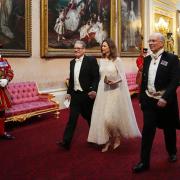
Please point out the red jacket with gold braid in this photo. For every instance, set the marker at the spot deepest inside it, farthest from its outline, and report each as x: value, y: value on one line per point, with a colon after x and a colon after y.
x: 5, y: 73
x: 140, y: 62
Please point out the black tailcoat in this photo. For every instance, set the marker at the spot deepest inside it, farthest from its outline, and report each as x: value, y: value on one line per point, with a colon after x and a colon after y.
x: 167, y: 78
x: 81, y: 103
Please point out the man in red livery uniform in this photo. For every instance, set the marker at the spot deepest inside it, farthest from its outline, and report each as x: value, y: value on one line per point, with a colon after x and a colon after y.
x: 139, y: 63
x: 6, y: 75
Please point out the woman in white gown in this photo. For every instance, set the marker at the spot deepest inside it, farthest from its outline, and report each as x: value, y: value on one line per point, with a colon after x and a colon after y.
x: 113, y: 115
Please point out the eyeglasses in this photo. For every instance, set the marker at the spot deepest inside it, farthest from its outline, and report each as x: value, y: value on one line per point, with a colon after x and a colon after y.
x: 153, y: 41
x: 78, y: 48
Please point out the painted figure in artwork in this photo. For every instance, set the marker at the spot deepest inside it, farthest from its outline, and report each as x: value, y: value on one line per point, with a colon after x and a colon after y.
x: 6, y: 7
x: 59, y: 26
x: 132, y: 25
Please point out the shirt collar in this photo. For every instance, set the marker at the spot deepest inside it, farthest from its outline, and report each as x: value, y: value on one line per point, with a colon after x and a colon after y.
x: 156, y: 55
x: 79, y: 59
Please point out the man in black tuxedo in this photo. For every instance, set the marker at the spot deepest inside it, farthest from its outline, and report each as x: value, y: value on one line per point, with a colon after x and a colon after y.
x: 158, y: 100
x: 83, y: 83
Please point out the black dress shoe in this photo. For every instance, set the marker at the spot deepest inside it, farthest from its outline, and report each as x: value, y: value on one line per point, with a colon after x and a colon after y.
x: 63, y: 145
x: 140, y: 167
x: 172, y: 158
x: 7, y: 136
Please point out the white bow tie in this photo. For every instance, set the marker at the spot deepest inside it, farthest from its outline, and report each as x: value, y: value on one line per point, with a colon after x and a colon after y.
x: 154, y: 56
x: 78, y: 60
x: 159, y: 53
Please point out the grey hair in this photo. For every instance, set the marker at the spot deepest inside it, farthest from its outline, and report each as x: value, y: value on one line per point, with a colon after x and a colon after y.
x: 80, y: 42
x: 159, y: 35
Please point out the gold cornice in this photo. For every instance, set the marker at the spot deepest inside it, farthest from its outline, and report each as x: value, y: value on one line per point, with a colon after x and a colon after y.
x: 165, y: 10
x: 167, y: 4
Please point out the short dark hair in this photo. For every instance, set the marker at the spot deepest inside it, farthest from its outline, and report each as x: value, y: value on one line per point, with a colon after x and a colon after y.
x: 112, y: 47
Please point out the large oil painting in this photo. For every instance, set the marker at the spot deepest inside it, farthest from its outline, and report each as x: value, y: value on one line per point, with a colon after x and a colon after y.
x: 15, y: 28
x: 130, y: 27
x: 65, y: 21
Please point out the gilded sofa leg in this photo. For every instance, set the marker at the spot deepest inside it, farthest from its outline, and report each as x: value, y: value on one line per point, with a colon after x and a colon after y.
x: 57, y: 114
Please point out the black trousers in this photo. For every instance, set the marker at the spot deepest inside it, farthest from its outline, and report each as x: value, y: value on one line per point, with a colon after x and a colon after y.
x: 80, y: 104
x: 2, y: 113
x: 148, y: 133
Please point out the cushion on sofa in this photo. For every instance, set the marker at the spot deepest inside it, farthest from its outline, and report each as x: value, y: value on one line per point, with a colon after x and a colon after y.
x: 23, y: 92
x: 131, y: 81
x: 27, y: 107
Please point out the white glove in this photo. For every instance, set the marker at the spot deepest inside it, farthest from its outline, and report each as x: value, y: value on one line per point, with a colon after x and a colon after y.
x: 3, y: 82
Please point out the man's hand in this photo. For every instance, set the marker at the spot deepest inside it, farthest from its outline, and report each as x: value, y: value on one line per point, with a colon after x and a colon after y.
x: 68, y: 97
x: 161, y: 103
x: 3, y: 82
x: 92, y: 94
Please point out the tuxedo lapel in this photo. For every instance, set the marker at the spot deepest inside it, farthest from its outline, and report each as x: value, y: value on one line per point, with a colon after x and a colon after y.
x: 163, y: 63
x: 73, y: 65
x: 147, y: 64
x: 83, y: 65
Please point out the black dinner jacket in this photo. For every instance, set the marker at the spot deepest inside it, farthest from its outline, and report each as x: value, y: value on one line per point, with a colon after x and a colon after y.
x: 88, y: 76
x: 167, y: 76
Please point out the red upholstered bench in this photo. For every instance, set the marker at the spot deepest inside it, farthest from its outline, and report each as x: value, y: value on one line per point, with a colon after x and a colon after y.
x: 131, y: 81
x: 28, y: 102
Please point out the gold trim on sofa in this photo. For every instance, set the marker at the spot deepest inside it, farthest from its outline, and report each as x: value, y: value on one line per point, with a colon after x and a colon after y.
x: 23, y: 117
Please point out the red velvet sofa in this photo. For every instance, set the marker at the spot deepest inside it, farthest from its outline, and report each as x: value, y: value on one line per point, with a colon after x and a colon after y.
x: 131, y: 81
x: 28, y: 102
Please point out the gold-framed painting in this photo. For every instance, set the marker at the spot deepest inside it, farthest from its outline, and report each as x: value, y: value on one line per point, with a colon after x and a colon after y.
x: 131, y: 27
x: 65, y: 21
x: 15, y: 28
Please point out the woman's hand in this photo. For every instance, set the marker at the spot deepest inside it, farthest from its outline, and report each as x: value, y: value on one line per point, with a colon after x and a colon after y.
x: 113, y: 82
x: 109, y: 82
x: 106, y: 80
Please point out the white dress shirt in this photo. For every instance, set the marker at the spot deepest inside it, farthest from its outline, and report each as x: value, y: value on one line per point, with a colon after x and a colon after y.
x: 153, y: 70
x: 152, y: 74
x: 77, y: 69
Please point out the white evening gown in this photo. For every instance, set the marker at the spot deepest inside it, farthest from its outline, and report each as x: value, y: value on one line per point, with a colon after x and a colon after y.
x: 112, y: 107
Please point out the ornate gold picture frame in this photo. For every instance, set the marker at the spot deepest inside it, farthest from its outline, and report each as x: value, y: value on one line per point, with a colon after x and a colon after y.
x: 131, y: 27
x: 15, y: 28
x: 64, y: 21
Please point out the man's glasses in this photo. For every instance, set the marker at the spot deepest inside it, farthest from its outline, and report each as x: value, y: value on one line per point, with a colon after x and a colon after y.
x: 153, y: 41
x: 78, y: 48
